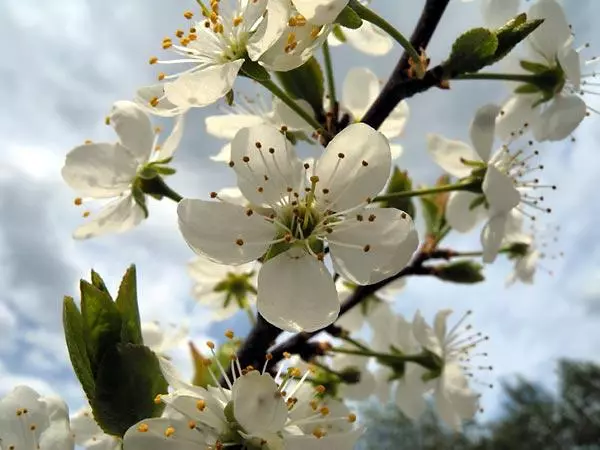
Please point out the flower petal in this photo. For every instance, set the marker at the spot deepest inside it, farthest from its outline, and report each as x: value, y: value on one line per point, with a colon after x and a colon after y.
x: 551, y: 35
x: 134, y: 128
x: 396, y: 151
x: 448, y: 154
x: 203, y: 87
x: 526, y: 266
x: 269, y: 29
x: 410, y: 392
x: 320, y: 12
x: 355, y: 167
x: 369, y: 39
x: 286, y: 116
x: 170, y: 144
x: 226, y: 126
x: 497, y: 12
x: 363, y: 249
x: 459, y: 213
x: 492, y: 236
x: 560, y: 119
x: 152, y: 99
x: 118, y: 216
x: 286, y: 300
x: 425, y: 335
x: 394, y: 124
x: 569, y: 60
x: 58, y: 435
x: 339, y: 441
x: 99, y: 170
x: 517, y: 111
x: 361, y: 87
x: 224, y: 154
x: 403, y: 254
x: 500, y: 191
x: 266, y: 164
x: 257, y: 407
x: 482, y: 130
x: 151, y: 434
x: 223, y: 232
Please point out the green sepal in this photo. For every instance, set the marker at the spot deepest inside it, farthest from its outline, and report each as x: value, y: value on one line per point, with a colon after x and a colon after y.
x: 533, y: 67
x: 164, y: 170
x: 140, y: 197
x: 338, y: 33
x: 513, y: 32
x: 131, y: 330
x: 527, y: 89
x: 348, y: 18
x: 128, y: 380
x: 229, y: 98
x: 98, y: 282
x: 254, y: 70
x: 148, y: 172
x: 463, y: 272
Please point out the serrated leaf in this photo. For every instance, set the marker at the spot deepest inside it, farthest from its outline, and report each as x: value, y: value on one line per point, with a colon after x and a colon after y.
x: 98, y: 281
x: 462, y: 272
x: 75, y: 338
x: 472, y: 51
x: 128, y: 380
x: 306, y: 83
x: 101, y: 323
x: 254, y: 70
x: 131, y: 330
x: 400, y: 182
x: 348, y: 18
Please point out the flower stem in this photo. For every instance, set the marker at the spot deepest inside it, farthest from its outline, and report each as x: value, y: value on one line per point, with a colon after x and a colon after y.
x: 523, y: 78
x: 353, y: 342
x: 278, y: 92
x: 367, y: 353
x: 421, y: 359
x: 369, y: 15
x: 329, y: 74
x: 420, y: 192
x: 250, y: 314
x: 157, y: 186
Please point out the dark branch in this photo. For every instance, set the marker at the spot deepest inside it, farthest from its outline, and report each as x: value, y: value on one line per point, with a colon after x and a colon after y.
x: 394, y: 92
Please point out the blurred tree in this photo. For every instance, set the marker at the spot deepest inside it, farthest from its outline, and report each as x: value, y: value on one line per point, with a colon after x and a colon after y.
x: 532, y: 418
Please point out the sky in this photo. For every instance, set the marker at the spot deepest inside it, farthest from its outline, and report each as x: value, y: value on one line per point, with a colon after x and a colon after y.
x: 64, y: 64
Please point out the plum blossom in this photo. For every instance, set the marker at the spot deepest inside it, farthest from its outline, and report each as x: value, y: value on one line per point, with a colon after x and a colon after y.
x: 551, y: 102
x: 506, y: 188
x: 229, y: 34
x: 497, y: 12
x: 29, y: 421
x: 254, y: 409
x: 112, y: 170
x: 310, y: 207
x: 360, y: 89
x: 162, y: 339
x: 320, y: 12
x: 88, y: 434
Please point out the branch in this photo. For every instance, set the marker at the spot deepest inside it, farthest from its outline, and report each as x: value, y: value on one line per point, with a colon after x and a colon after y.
x: 392, y: 94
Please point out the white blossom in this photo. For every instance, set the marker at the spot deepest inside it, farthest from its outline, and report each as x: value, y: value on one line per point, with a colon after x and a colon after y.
x: 222, y: 288
x: 88, y: 434
x: 109, y: 170
x: 29, y: 421
x: 267, y: 32
x: 310, y: 207
x: 497, y: 12
x: 162, y: 339
x: 320, y: 12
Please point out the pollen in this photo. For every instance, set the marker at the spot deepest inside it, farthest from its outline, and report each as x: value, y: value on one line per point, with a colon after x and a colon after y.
x: 154, y: 101
x: 229, y: 334
x: 200, y: 405
x: 237, y: 21
x: 77, y: 201
x: 351, y: 418
x: 142, y: 427
x: 161, y: 76
x: 169, y: 431
x: 239, y: 242
x: 158, y: 400
x: 86, y: 214
x: 191, y: 424
x: 287, y: 355
x: 153, y: 60
x: 211, y: 344
x: 188, y: 14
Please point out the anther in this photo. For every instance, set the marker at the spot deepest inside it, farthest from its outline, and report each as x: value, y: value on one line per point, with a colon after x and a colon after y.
x: 211, y: 344
x: 200, y: 405
x: 364, y: 163
x: 239, y: 242
x: 169, y: 431
x: 372, y: 217
x: 249, y: 212
x: 229, y: 334
x: 341, y: 155
x: 366, y: 248
x: 213, y: 194
x: 142, y: 427
x: 257, y: 144
x: 153, y: 60
x: 188, y: 14
x: 246, y: 159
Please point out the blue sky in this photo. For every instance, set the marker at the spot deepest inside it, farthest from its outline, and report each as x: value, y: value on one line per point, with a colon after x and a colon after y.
x: 66, y: 62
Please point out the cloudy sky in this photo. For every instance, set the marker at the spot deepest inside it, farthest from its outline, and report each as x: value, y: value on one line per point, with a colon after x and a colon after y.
x: 65, y: 62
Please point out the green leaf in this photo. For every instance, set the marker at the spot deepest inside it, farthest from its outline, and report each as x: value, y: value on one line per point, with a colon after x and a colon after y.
x: 463, y: 272
x: 128, y: 380
x: 75, y: 338
x: 512, y: 33
x: 348, y: 18
x: 131, y: 330
x: 101, y: 322
x: 430, y: 214
x: 527, y: 89
x: 254, y: 70
x: 400, y: 182
x: 306, y: 83
x: 338, y: 33
x: 472, y: 51
x: 98, y: 282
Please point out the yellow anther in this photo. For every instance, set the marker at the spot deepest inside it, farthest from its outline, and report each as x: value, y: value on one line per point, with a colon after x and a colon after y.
x: 237, y: 21
x: 314, y: 404
x: 188, y: 14
x: 351, y: 418
x: 324, y: 411
x: 158, y: 400
x: 157, y: 148
x: 154, y: 101
x: 107, y: 120
x: 320, y: 389
x: 87, y: 141
x: 192, y: 29
x: 318, y: 433
x: 32, y: 427
x: 161, y: 76
x: 192, y: 37
x: 191, y: 424
x: 314, y: 32
x: 297, y: 21
x: 287, y: 355
x: 166, y: 45
x: 179, y: 33
x: 157, y: 130
x: 229, y: 334
x: 200, y: 405
x: 218, y: 28
x: 291, y: 38
x: 169, y: 431
x: 142, y: 427
x: 86, y: 214
x: 295, y: 372
x: 213, y: 17
x: 153, y: 60
x: 210, y: 344
x: 78, y: 201
x: 269, y: 356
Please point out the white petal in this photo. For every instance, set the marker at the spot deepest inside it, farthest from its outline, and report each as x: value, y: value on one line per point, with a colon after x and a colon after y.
x: 355, y: 166
x: 439, y: 323
x: 338, y: 441
x: 257, y: 407
x: 526, y: 266
x: 394, y: 124
x: 396, y: 151
x: 84, y: 426
x: 517, y: 111
x: 224, y: 154
x: 183, y: 438
x: 146, y: 95
x: 272, y: 166
x: 410, y: 391
x: 570, y: 62
x: 286, y: 300
x: 448, y: 154
x: 118, y: 216
x: 360, y: 248
x: 361, y: 390
x: 320, y: 12
x: 492, y: 236
x: 551, y: 35
x: 58, y: 435
x: 203, y: 87
x: 227, y: 125
x: 361, y: 87
x: 134, y: 128
x: 99, y: 170
x: 482, y: 130
x: 216, y: 230
x: 560, y: 119
x: 284, y: 115
x: 369, y: 39
x: 425, y: 335
x: 497, y: 12
x: 500, y: 191
x: 403, y: 254
x: 173, y: 140
x: 459, y: 214
x: 270, y: 28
